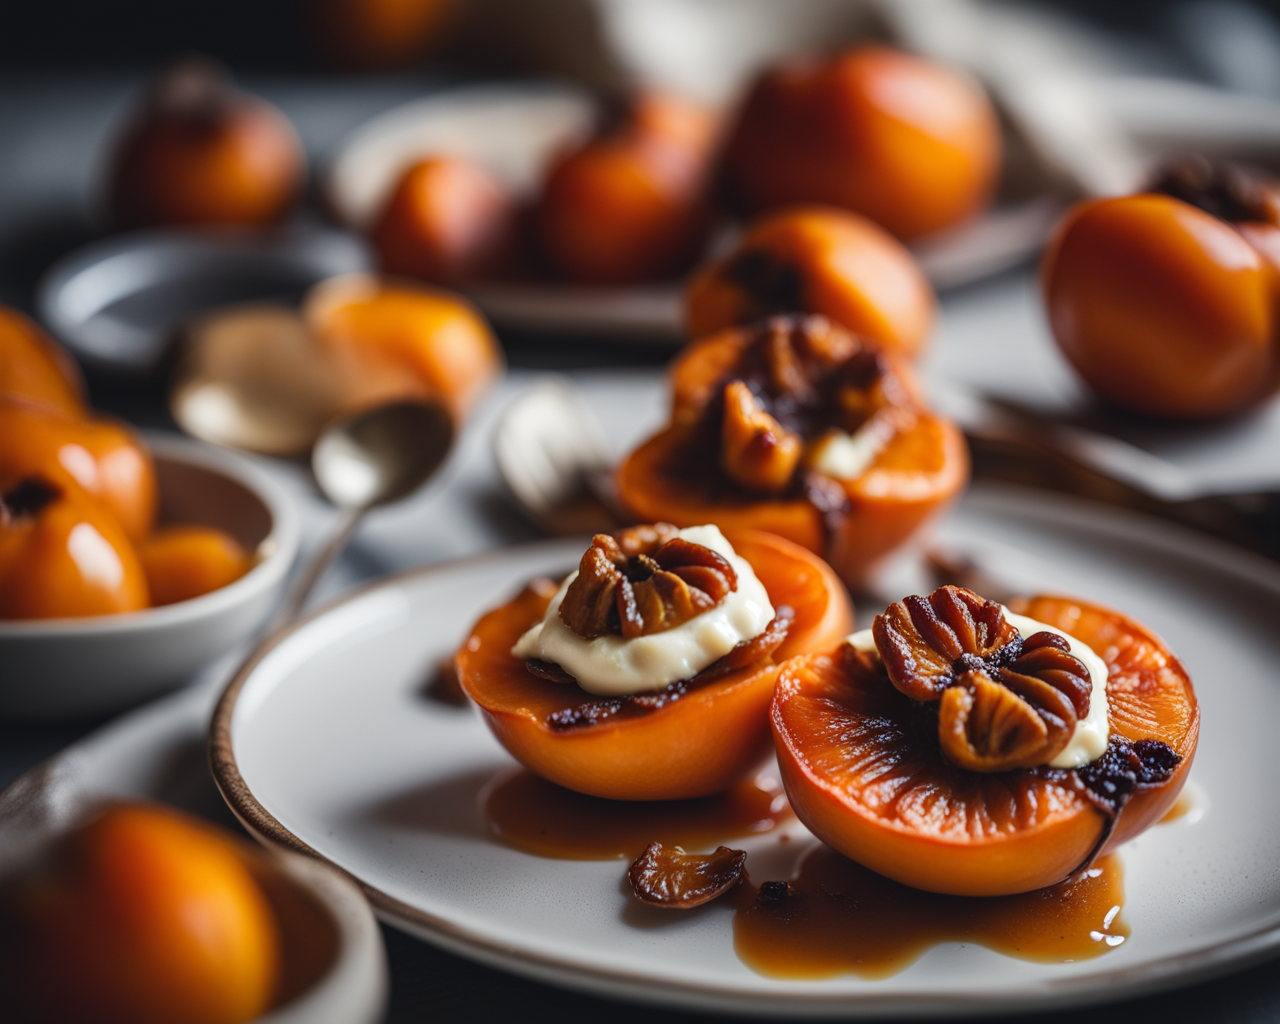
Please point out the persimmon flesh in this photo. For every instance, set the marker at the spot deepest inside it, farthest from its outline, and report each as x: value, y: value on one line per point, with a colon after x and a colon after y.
x: 867, y: 781
x: 695, y: 746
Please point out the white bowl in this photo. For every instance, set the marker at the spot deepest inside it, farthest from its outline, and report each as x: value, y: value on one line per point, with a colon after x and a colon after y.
x: 67, y: 668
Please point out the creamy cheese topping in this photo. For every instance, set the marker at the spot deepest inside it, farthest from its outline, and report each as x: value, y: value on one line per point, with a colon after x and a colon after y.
x: 1092, y: 732
x: 844, y: 456
x: 613, y: 666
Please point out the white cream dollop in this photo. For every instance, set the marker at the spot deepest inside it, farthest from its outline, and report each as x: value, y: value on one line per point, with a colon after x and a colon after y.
x: 1089, y: 741
x: 613, y: 666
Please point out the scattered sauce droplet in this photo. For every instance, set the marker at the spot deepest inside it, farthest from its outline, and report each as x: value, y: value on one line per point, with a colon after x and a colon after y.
x: 539, y: 817
x: 837, y: 917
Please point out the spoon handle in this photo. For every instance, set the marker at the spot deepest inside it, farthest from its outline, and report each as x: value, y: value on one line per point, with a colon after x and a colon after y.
x: 348, y: 521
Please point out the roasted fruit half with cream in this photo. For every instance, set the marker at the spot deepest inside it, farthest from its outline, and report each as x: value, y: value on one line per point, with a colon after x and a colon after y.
x: 961, y: 748
x: 647, y: 673
x: 795, y: 426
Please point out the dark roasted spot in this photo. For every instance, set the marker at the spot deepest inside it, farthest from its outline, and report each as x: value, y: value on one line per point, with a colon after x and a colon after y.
x: 29, y: 498
x: 773, y: 285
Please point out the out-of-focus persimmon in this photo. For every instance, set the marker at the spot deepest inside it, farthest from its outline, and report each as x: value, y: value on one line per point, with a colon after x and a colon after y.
x: 374, y: 35
x: 141, y: 916
x: 816, y: 259
x: 448, y: 221
x: 200, y: 152
x: 629, y: 205
x: 32, y: 366
x: 62, y: 555
x: 182, y: 562
x: 1162, y: 308
x: 436, y: 335
x: 104, y: 458
x: 911, y: 144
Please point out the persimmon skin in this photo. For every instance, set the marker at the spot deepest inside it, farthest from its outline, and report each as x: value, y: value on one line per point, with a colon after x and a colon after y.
x: 70, y: 559
x: 698, y: 745
x: 448, y: 221
x: 184, y: 562
x: 142, y: 916
x: 629, y: 205
x: 963, y: 838
x: 200, y: 152
x: 437, y: 337
x: 846, y: 268
x: 908, y: 143
x: 107, y: 460
x: 33, y: 367
x: 1163, y: 309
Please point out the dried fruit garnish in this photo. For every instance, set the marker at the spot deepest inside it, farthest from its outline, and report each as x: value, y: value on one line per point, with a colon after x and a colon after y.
x: 666, y: 876
x: 644, y: 580
x: 1003, y: 702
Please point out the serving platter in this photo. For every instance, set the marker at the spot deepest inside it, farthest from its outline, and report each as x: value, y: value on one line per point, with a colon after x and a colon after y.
x: 328, y: 744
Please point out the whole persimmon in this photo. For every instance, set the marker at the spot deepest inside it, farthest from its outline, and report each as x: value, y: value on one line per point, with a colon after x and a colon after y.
x: 816, y: 259
x: 629, y: 205
x: 200, y: 152
x: 957, y: 750
x: 62, y: 555
x: 448, y: 221
x: 693, y: 737
x: 374, y: 35
x: 141, y: 915
x: 1165, y: 308
x: 34, y: 367
x: 106, y: 459
x: 795, y: 426
x: 182, y: 562
x: 909, y: 143
x: 436, y: 335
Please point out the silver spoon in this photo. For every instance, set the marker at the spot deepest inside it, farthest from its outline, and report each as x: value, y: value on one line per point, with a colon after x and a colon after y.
x: 364, y: 460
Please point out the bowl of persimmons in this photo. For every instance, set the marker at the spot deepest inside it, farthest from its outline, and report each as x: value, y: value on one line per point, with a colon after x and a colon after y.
x: 125, y: 566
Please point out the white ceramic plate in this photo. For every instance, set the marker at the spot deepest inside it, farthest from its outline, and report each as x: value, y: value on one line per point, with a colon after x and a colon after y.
x: 327, y: 744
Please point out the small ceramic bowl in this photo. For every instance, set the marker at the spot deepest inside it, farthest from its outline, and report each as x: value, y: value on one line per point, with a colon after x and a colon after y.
x: 68, y: 668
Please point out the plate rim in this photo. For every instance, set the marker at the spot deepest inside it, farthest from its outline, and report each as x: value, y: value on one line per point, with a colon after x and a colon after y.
x: 1096, y: 987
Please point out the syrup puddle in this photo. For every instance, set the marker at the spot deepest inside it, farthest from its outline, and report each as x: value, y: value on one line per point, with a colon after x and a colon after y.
x: 837, y: 917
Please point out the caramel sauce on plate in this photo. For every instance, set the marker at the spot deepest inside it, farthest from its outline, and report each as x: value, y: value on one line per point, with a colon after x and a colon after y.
x: 525, y: 811
x: 840, y: 918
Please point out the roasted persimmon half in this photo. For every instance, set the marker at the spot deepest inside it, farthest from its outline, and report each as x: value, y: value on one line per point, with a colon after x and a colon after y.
x: 693, y: 746
x: 868, y: 780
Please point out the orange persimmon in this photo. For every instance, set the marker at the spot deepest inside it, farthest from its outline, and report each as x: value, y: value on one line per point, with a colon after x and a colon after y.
x: 106, y: 459
x: 437, y: 336
x: 815, y: 259
x: 448, y: 221
x: 911, y: 144
x: 866, y: 779
x: 182, y: 562
x: 694, y: 746
x: 32, y: 366
x: 62, y: 555
x: 141, y: 915
x: 628, y: 206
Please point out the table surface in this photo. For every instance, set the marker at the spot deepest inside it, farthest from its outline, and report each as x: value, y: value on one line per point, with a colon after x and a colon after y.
x: 52, y: 132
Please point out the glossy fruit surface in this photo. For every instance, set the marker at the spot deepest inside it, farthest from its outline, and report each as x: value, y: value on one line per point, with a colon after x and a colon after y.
x: 629, y: 205
x: 435, y: 335
x: 448, y: 221
x: 816, y: 259
x: 1162, y: 309
x: 695, y: 746
x: 62, y: 555
x: 143, y: 915
x: 867, y: 780
x: 182, y: 562
x: 107, y: 460
x: 199, y: 152
x: 911, y: 144
x: 32, y: 366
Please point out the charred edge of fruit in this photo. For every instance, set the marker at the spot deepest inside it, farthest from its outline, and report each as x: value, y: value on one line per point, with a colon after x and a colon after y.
x: 744, y: 654
x: 668, y: 877
x: 1125, y: 769
x: 28, y: 498
x: 1220, y: 188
